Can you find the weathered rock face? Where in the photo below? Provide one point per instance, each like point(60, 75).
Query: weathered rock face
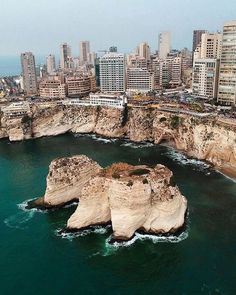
point(206, 139)
point(130, 197)
point(67, 177)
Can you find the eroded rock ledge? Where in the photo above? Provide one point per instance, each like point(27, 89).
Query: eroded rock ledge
point(130, 197)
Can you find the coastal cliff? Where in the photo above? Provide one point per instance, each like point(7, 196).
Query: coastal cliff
point(129, 197)
point(203, 138)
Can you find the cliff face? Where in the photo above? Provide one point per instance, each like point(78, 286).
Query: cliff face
point(130, 197)
point(205, 139)
point(66, 178)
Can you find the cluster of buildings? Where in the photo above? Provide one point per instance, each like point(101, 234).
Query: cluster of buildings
point(209, 69)
point(214, 64)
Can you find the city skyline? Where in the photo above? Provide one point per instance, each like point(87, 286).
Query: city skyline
point(78, 21)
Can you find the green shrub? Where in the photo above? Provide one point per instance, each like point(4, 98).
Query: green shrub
point(130, 183)
point(175, 121)
point(145, 181)
point(139, 172)
point(162, 119)
point(115, 175)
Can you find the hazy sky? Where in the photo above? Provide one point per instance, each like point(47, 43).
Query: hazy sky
point(41, 25)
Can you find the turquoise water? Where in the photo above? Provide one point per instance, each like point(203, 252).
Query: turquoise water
point(35, 260)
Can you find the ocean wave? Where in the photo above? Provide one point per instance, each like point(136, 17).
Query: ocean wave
point(23, 206)
point(184, 160)
point(97, 138)
point(98, 229)
point(137, 145)
point(19, 220)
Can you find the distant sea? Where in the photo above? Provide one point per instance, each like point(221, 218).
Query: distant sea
point(11, 66)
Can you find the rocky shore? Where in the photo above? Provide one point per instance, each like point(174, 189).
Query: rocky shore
point(202, 138)
point(131, 198)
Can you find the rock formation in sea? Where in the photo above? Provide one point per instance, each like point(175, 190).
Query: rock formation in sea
point(129, 197)
point(208, 139)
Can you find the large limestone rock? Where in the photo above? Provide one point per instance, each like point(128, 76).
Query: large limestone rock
point(131, 198)
point(93, 205)
point(66, 179)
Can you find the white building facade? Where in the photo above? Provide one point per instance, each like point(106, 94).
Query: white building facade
point(112, 73)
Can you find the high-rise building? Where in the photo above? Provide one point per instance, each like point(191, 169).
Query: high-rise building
point(205, 77)
point(112, 72)
point(29, 73)
point(164, 44)
point(210, 45)
point(84, 51)
point(176, 71)
point(139, 80)
point(162, 73)
point(144, 51)
point(227, 75)
point(51, 64)
point(197, 35)
point(206, 65)
point(65, 55)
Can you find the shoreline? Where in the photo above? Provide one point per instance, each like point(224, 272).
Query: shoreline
point(227, 171)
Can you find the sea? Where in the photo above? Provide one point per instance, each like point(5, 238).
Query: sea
point(11, 65)
point(36, 259)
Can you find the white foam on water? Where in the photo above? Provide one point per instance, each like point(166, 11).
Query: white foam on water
point(137, 145)
point(23, 206)
point(19, 220)
point(184, 160)
point(97, 138)
point(98, 229)
point(112, 248)
point(71, 205)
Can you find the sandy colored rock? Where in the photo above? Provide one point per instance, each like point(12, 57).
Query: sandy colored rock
point(67, 177)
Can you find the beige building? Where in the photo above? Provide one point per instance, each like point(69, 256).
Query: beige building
point(211, 45)
point(144, 51)
point(227, 76)
point(176, 71)
point(52, 87)
point(29, 73)
point(84, 52)
point(136, 61)
point(65, 55)
point(206, 65)
point(51, 64)
point(80, 85)
point(164, 44)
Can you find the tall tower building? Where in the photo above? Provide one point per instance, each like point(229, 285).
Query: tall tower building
point(144, 51)
point(65, 54)
point(29, 73)
point(112, 72)
point(197, 35)
point(227, 76)
point(51, 64)
point(84, 51)
point(206, 65)
point(210, 45)
point(164, 44)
